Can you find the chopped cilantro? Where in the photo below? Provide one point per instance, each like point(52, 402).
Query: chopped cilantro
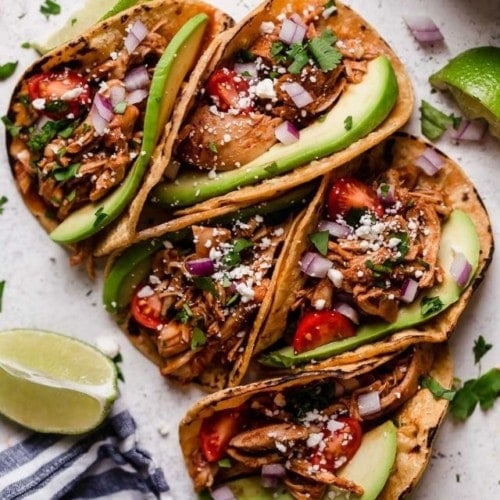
point(50, 129)
point(434, 122)
point(199, 338)
point(73, 20)
point(233, 300)
point(50, 8)
point(480, 348)
point(71, 196)
point(233, 258)
point(26, 45)
point(56, 106)
point(348, 123)
point(404, 243)
point(12, 129)
point(353, 216)
point(184, 314)
point(120, 108)
point(278, 52)
point(2, 287)
point(272, 168)
point(299, 56)
point(437, 390)
point(213, 147)
point(379, 269)
point(244, 56)
point(300, 401)
point(329, 3)
point(320, 241)
point(64, 174)
point(61, 152)
point(100, 216)
point(116, 360)
point(3, 201)
point(206, 284)
point(66, 132)
point(324, 52)
point(7, 70)
point(225, 463)
point(430, 306)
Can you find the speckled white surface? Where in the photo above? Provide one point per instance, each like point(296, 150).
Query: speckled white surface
point(42, 291)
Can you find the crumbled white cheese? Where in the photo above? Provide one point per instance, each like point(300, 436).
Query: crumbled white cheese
point(319, 304)
point(145, 291)
point(38, 103)
point(314, 439)
point(267, 27)
point(335, 276)
point(265, 89)
point(69, 95)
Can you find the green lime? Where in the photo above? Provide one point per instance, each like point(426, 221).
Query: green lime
point(473, 78)
point(54, 383)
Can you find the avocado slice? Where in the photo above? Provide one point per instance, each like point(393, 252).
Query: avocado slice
point(134, 264)
point(368, 103)
point(370, 468)
point(458, 235)
point(178, 58)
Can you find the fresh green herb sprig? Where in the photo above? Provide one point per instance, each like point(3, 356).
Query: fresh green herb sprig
point(50, 8)
point(3, 201)
point(7, 69)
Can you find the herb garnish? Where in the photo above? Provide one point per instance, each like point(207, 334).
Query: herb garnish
point(298, 53)
point(233, 257)
point(64, 174)
point(244, 56)
point(50, 8)
point(2, 287)
point(7, 69)
point(12, 129)
point(480, 348)
point(206, 284)
point(100, 215)
point(3, 201)
point(116, 360)
point(56, 106)
point(430, 306)
point(348, 123)
point(272, 168)
point(225, 463)
point(379, 269)
point(184, 314)
point(233, 300)
point(324, 52)
point(437, 390)
point(434, 122)
point(199, 338)
point(320, 241)
point(38, 141)
point(212, 145)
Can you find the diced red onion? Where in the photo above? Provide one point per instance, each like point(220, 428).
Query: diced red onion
point(136, 35)
point(430, 161)
point(101, 113)
point(116, 95)
point(291, 32)
point(315, 265)
point(334, 228)
point(460, 269)
point(136, 96)
point(137, 78)
point(200, 267)
point(287, 133)
point(246, 68)
point(386, 194)
point(270, 482)
point(271, 475)
point(298, 20)
point(348, 311)
point(369, 403)
point(300, 96)
point(468, 130)
point(424, 29)
point(409, 290)
point(223, 493)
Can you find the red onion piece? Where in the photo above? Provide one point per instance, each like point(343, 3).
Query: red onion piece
point(369, 403)
point(200, 267)
point(291, 32)
point(246, 69)
point(334, 228)
point(460, 269)
point(468, 130)
point(116, 95)
point(270, 482)
point(315, 265)
point(409, 290)
point(223, 493)
point(273, 470)
point(136, 35)
point(101, 113)
point(137, 78)
point(287, 133)
point(386, 194)
point(430, 161)
point(424, 29)
point(136, 96)
point(300, 96)
point(348, 311)
point(298, 20)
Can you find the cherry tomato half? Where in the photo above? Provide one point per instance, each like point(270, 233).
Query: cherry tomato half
point(64, 92)
point(147, 310)
point(347, 193)
point(316, 328)
point(340, 445)
point(217, 430)
point(226, 89)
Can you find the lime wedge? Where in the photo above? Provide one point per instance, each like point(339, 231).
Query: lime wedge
point(54, 383)
point(473, 78)
point(79, 21)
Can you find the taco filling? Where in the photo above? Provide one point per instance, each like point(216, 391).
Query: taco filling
point(301, 435)
point(293, 72)
point(78, 133)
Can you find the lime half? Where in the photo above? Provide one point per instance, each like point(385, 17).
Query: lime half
point(473, 78)
point(54, 383)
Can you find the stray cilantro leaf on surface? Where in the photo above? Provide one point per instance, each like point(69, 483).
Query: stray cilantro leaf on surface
point(437, 390)
point(3, 201)
point(7, 70)
point(50, 8)
point(199, 338)
point(480, 348)
point(2, 287)
point(348, 123)
point(320, 241)
point(116, 360)
point(26, 45)
point(434, 122)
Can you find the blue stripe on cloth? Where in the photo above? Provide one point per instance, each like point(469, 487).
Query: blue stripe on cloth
point(102, 463)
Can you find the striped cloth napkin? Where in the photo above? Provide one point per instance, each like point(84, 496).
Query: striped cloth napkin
point(106, 463)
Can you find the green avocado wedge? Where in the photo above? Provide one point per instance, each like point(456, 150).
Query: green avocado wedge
point(458, 235)
point(369, 468)
point(178, 58)
point(367, 103)
point(134, 264)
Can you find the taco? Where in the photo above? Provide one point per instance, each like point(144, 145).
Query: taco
point(317, 435)
point(193, 300)
point(290, 84)
point(85, 120)
point(388, 255)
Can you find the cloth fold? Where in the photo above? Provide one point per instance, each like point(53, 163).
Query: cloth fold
point(106, 463)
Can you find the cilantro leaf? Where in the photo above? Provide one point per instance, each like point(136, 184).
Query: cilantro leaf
point(320, 241)
point(50, 129)
point(480, 348)
point(12, 129)
point(326, 55)
point(225, 463)
point(184, 314)
point(348, 123)
point(100, 215)
point(430, 305)
point(233, 258)
point(3, 201)
point(7, 69)
point(206, 284)
point(434, 122)
point(50, 8)
point(212, 146)
point(64, 174)
point(437, 390)
point(2, 287)
point(298, 53)
point(199, 338)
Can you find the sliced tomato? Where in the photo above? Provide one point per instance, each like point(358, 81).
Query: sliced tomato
point(316, 328)
point(348, 193)
point(340, 445)
point(147, 310)
point(226, 88)
point(216, 432)
point(64, 92)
